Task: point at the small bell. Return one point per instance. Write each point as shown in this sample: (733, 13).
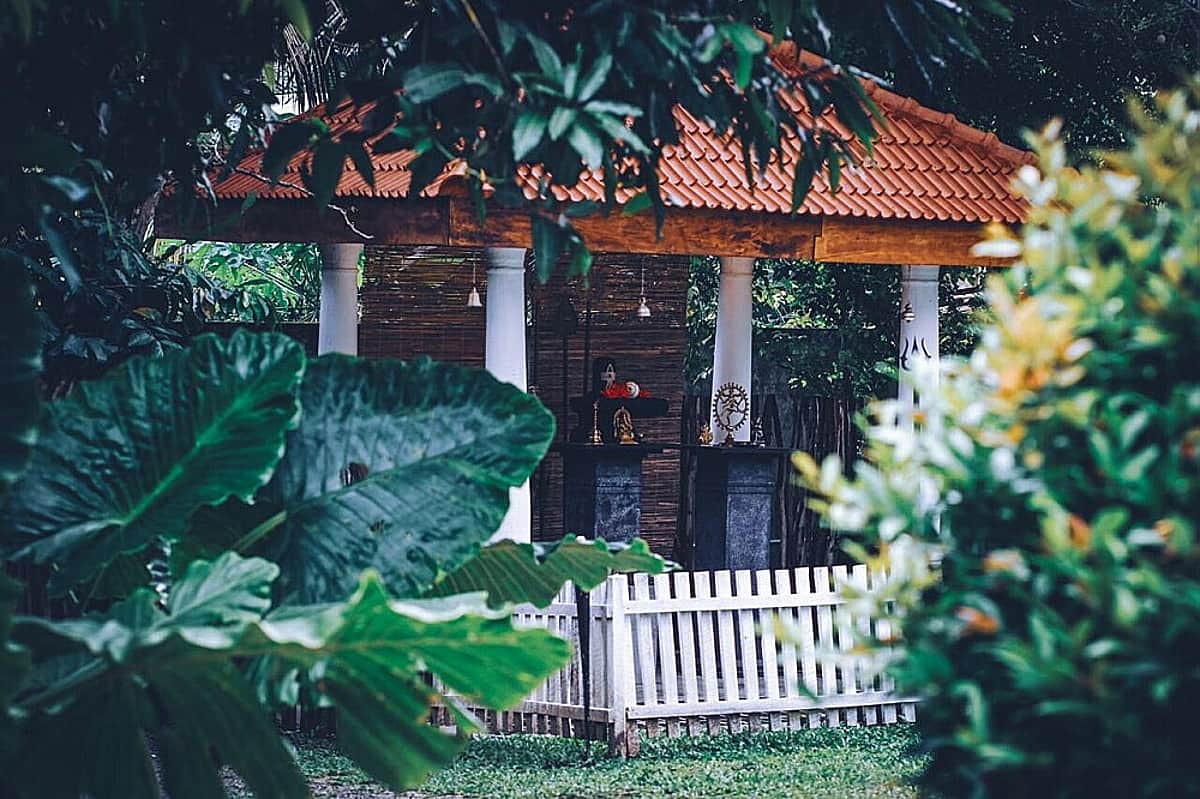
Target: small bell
(473, 300)
(643, 310)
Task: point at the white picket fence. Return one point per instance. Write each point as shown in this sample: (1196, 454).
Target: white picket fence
(697, 653)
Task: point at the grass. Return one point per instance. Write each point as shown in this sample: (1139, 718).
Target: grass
(840, 763)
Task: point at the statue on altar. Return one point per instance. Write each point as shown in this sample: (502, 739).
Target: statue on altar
(623, 426)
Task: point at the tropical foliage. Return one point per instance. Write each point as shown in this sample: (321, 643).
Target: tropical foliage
(284, 277)
(498, 85)
(1076, 60)
(208, 463)
(830, 328)
(1040, 523)
(174, 91)
(366, 483)
(512, 572)
(116, 300)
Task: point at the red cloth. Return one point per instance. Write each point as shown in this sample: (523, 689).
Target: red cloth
(620, 390)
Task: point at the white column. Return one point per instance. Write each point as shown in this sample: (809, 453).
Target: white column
(337, 330)
(732, 353)
(918, 328)
(504, 356)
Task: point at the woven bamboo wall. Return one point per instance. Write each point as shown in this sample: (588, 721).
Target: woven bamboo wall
(649, 351)
(414, 302)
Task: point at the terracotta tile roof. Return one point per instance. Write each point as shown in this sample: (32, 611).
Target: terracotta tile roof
(925, 165)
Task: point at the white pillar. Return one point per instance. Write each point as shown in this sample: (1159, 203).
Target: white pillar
(918, 327)
(337, 330)
(504, 356)
(732, 351)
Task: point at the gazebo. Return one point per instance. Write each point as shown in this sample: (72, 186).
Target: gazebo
(917, 201)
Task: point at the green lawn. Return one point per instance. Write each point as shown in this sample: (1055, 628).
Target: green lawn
(860, 762)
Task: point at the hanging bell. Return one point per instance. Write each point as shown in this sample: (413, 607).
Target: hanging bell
(473, 300)
(643, 310)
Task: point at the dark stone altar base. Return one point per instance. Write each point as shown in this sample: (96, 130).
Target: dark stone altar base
(735, 490)
(604, 489)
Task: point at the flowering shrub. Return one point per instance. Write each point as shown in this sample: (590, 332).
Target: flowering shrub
(1040, 522)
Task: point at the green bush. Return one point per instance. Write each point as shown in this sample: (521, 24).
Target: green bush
(1040, 523)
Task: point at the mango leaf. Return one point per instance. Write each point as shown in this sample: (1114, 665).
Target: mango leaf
(586, 141)
(511, 572)
(20, 368)
(615, 127)
(802, 177)
(131, 456)
(149, 671)
(401, 467)
(780, 14)
(549, 239)
(561, 119)
(527, 133)
(637, 203)
(548, 60)
(426, 82)
(287, 141)
(595, 77)
(328, 162)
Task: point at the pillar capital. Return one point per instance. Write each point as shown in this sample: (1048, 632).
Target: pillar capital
(731, 265)
(506, 258)
(920, 273)
(340, 257)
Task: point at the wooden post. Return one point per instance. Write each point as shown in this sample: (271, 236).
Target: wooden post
(624, 741)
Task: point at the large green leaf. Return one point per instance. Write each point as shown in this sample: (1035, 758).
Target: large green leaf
(131, 456)
(152, 671)
(20, 405)
(511, 572)
(20, 368)
(400, 467)
(14, 660)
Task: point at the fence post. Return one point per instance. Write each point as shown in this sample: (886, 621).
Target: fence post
(624, 741)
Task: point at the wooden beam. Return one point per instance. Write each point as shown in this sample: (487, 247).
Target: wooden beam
(366, 221)
(453, 221)
(685, 232)
(896, 241)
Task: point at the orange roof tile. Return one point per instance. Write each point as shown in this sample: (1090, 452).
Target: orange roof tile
(925, 165)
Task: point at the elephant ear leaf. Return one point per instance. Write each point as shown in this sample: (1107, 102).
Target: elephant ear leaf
(175, 673)
(20, 406)
(403, 467)
(170, 672)
(131, 456)
(20, 369)
(510, 572)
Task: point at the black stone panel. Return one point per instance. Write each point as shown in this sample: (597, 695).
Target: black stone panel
(735, 490)
(604, 490)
